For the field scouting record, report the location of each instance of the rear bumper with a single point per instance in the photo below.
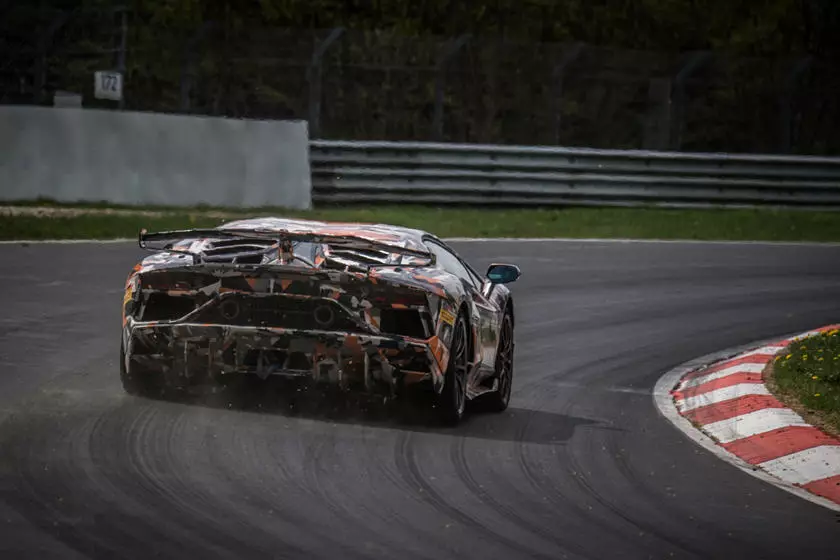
(364, 362)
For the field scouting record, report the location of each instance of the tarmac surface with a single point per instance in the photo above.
(581, 465)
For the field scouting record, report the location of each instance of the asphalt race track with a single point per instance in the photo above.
(581, 466)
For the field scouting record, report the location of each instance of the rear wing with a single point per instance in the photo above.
(256, 241)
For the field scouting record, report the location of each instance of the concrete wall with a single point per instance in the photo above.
(148, 158)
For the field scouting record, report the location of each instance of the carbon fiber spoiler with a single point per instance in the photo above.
(342, 241)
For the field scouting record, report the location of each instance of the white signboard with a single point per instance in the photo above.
(108, 85)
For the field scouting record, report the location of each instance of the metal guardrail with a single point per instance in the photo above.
(395, 172)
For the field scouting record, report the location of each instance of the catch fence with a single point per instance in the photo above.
(374, 85)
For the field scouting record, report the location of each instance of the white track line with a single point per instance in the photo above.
(720, 395)
(630, 240)
(743, 368)
(753, 423)
(665, 405)
(504, 240)
(768, 351)
(806, 466)
(64, 241)
(803, 336)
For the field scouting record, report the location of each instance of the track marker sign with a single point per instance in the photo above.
(108, 85)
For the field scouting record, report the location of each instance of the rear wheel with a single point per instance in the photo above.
(452, 401)
(140, 381)
(498, 400)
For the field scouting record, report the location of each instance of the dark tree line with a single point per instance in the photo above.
(251, 58)
(743, 26)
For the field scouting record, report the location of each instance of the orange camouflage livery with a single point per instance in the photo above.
(367, 307)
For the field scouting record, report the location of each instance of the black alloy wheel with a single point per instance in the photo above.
(452, 400)
(498, 400)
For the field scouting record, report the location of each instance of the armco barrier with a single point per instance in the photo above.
(147, 158)
(391, 172)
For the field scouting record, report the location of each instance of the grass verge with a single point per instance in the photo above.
(44, 220)
(806, 377)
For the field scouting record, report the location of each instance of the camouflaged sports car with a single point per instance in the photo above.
(369, 308)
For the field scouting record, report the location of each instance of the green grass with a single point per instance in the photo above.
(640, 223)
(808, 377)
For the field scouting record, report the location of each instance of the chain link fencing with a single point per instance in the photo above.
(375, 85)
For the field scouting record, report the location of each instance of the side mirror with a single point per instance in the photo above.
(503, 273)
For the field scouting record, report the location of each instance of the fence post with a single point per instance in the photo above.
(448, 53)
(559, 75)
(695, 62)
(44, 40)
(188, 64)
(314, 75)
(657, 124)
(121, 53)
(786, 104)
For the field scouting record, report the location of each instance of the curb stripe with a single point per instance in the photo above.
(827, 488)
(806, 466)
(822, 491)
(753, 423)
(728, 402)
(753, 359)
(733, 408)
(728, 381)
(773, 445)
(721, 395)
(757, 367)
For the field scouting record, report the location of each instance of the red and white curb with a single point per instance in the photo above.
(723, 404)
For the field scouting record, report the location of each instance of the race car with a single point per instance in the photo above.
(373, 308)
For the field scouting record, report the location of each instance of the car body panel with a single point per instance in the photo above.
(371, 276)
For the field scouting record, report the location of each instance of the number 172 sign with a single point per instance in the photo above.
(108, 85)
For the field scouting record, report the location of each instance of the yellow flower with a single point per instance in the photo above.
(814, 377)
(787, 357)
(816, 394)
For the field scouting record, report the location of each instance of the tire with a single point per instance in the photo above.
(452, 400)
(140, 382)
(498, 400)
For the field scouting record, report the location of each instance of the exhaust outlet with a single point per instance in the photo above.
(324, 316)
(229, 310)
